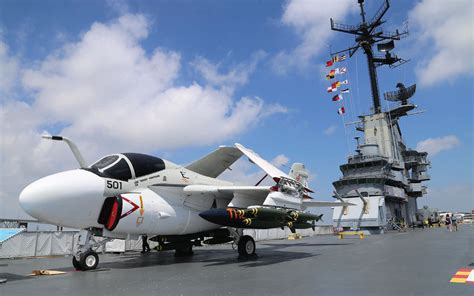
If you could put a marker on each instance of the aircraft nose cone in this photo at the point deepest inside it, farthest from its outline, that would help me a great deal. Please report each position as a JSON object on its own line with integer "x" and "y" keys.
{"x": 68, "y": 198}
{"x": 28, "y": 200}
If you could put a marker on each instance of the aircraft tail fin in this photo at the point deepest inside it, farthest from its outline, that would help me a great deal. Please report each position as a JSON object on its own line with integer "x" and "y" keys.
{"x": 216, "y": 162}
{"x": 299, "y": 173}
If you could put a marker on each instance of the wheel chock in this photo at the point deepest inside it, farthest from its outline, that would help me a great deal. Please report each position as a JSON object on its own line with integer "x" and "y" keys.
{"x": 46, "y": 272}
{"x": 358, "y": 233}
{"x": 294, "y": 236}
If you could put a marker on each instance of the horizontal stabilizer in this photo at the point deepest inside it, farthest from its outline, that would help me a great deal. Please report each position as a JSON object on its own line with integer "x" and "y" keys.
{"x": 216, "y": 162}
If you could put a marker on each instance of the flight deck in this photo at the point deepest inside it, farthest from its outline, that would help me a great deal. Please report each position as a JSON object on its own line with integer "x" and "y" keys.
{"x": 416, "y": 262}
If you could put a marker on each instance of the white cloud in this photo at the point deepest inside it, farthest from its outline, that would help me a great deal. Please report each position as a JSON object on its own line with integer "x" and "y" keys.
{"x": 109, "y": 94}
{"x": 238, "y": 76}
{"x": 120, "y": 6}
{"x": 9, "y": 71}
{"x": 24, "y": 157}
{"x": 280, "y": 160}
{"x": 310, "y": 20}
{"x": 445, "y": 29}
{"x": 435, "y": 145}
{"x": 330, "y": 130}
{"x": 109, "y": 76}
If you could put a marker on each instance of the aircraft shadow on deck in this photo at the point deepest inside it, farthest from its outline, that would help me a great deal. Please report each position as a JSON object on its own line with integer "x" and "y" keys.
{"x": 267, "y": 256}
{"x": 11, "y": 277}
{"x": 208, "y": 257}
{"x": 270, "y": 254}
{"x": 307, "y": 245}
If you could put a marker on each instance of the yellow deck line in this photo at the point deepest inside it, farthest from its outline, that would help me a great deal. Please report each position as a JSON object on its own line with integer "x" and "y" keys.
{"x": 458, "y": 280}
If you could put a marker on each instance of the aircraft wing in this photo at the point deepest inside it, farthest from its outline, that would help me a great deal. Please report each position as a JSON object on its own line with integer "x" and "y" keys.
{"x": 237, "y": 196}
{"x": 270, "y": 169}
{"x": 216, "y": 162}
{"x": 317, "y": 203}
{"x": 226, "y": 190}
{"x": 244, "y": 196}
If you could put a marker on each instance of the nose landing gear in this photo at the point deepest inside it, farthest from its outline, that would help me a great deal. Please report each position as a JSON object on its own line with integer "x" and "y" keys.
{"x": 87, "y": 261}
{"x": 85, "y": 258}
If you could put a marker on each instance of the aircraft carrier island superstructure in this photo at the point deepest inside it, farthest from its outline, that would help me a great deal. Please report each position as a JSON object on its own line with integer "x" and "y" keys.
{"x": 384, "y": 178}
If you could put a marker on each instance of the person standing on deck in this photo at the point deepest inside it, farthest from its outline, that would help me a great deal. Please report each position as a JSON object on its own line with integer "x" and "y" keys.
{"x": 448, "y": 222}
{"x": 145, "y": 246}
{"x": 454, "y": 222}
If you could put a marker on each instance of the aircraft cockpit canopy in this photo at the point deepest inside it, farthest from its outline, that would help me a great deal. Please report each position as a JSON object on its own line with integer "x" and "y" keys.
{"x": 127, "y": 166}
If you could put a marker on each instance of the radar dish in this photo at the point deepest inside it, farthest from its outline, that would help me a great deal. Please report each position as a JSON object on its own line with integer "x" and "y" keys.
{"x": 402, "y": 94}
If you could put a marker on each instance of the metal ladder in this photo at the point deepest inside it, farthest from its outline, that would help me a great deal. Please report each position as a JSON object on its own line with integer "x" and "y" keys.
{"x": 394, "y": 225}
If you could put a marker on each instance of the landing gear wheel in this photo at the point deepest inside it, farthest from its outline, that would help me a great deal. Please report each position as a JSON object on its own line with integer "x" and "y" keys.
{"x": 184, "y": 251}
{"x": 76, "y": 263}
{"x": 89, "y": 260}
{"x": 246, "y": 246}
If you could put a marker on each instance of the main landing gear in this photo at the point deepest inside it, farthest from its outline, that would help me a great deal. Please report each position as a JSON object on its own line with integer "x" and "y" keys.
{"x": 183, "y": 246}
{"x": 246, "y": 246}
{"x": 245, "y": 243}
{"x": 85, "y": 258}
{"x": 185, "y": 251}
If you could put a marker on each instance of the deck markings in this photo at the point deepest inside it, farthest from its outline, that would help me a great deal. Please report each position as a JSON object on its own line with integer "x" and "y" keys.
{"x": 463, "y": 276}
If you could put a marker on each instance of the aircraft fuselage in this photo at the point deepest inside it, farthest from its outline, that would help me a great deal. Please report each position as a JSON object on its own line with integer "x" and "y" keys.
{"x": 154, "y": 204}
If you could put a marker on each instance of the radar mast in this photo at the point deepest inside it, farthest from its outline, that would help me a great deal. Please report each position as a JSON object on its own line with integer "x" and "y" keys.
{"x": 367, "y": 34}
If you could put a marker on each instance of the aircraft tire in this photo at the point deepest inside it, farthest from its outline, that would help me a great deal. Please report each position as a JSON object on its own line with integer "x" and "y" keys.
{"x": 246, "y": 246}
{"x": 76, "y": 264}
{"x": 184, "y": 251}
{"x": 89, "y": 260}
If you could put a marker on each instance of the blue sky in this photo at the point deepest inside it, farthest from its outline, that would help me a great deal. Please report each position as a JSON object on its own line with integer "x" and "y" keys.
{"x": 258, "y": 64}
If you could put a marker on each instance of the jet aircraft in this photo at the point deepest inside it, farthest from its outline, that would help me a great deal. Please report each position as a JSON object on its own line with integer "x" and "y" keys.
{"x": 130, "y": 194}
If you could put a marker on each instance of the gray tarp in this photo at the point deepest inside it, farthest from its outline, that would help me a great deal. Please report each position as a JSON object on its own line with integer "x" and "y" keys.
{"x": 29, "y": 244}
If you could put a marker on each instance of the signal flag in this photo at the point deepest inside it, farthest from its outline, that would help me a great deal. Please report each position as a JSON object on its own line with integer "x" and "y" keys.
{"x": 331, "y": 75}
{"x": 341, "y": 70}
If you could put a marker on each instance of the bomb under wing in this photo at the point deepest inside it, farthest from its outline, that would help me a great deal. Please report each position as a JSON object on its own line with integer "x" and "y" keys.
{"x": 260, "y": 218}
